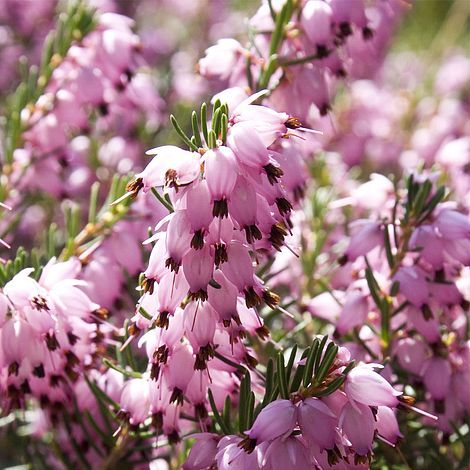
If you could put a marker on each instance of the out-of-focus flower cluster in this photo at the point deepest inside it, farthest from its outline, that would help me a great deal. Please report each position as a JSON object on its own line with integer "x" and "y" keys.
{"x": 98, "y": 81}
{"x": 326, "y": 42}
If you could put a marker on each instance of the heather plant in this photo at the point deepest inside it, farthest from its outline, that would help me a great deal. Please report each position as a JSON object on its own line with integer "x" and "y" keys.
{"x": 278, "y": 277}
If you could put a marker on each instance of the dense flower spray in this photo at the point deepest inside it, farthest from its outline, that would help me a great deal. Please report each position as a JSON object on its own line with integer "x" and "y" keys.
{"x": 50, "y": 331}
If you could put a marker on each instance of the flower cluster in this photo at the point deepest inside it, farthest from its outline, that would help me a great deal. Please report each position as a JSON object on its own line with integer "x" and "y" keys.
{"x": 22, "y": 35}
{"x": 98, "y": 79}
{"x": 327, "y": 40}
{"x": 229, "y": 208}
{"x": 50, "y": 331}
{"x": 229, "y": 201}
{"x": 368, "y": 132}
{"x": 312, "y": 428}
{"x": 400, "y": 290}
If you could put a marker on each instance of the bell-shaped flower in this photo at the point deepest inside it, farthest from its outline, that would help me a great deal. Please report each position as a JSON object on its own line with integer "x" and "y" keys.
{"x": 291, "y": 452}
{"x": 220, "y": 59}
{"x": 198, "y": 266}
{"x": 223, "y": 300}
{"x": 170, "y": 167}
{"x": 316, "y": 21}
{"x": 275, "y": 420}
{"x": 199, "y": 212}
{"x": 437, "y": 377}
{"x": 179, "y": 372}
{"x": 268, "y": 124}
{"x": 413, "y": 284}
{"x": 243, "y": 205}
{"x": 22, "y": 290}
{"x": 156, "y": 265}
{"x": 317, "y": 423}
{"x": 411, "y": 354}
{"x": 353, "y": 313}
{"x": 55, "y": 272}
{"x": 200, "y": 323}
{"x": 178, "y": 239}
{"x": 366, "y": 235}
{"x": 427, "y": 327}
{"x": 247, "y": 146}
{"x": 364, "y": 385}
{"x": 203, "y": 451}
{"x": 231, "y": 456}
{"x": 387, "y": 424}
{"x": 430, "y": 245}
{"x": 172, "y": 289}
{"x": 135, "y": 400}
{"x": 220, "y": 172}
{"x": 239, "y": 267}
{"x": 358, "y": 423}
{"x": 453, "y": 225}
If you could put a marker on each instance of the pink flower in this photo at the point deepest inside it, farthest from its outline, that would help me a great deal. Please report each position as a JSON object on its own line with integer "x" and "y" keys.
{"x": 247, "y": 146}
{"x": 269, "y": 124}
{"x": 291, "y": 452}
{"x": 366, "y": 235}
{"x": 199, "y": 212}
{"x": 203, "y": 452}
{"x": 427, "y": 327}
{"x": 135, "y": 400}
{"x": 358, "y": 423}
{"x": 437, "y": 377}
{"x": 364, "y": 385}
{"x": 179, "y": 372}
{"x": 452, "y": 225}
{"x": 431, "y": 246}
{"x": 411, "y": 354}
{"x": 413, "y": 284}
{"x": 317, "y": 423}
{"x": 220, "y": 171}
{"x": 231, "y": 456}
{"x": 199, "y": 323}
{"x": 387, "y": 425}
{"x": 223, "y": 300}
{"x": 171, "y": 167}
{"x": 221, "y": 59}
{"x": 178, "y": 239}
{"x": 353, "y": 313}
{"x": 198, "y": 267}
{"x": 316, "y": 22}
{"x": 275, "y": 420}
